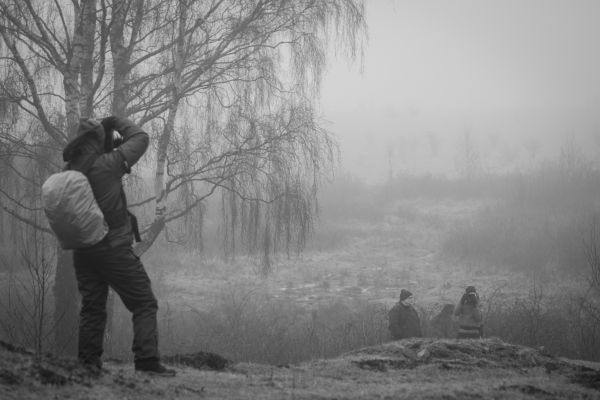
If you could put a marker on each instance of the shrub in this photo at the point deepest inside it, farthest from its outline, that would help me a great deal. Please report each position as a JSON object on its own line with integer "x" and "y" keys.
{"x": 252, "y": 327}
{"x": 566, "y": 324}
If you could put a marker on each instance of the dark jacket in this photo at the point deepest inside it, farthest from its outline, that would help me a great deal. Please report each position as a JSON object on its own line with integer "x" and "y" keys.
{"x": 443, "y": 325}
{"x": 470, "y": 320}
{"x": 404, "y": 322}
{"x": 105, "y": 175}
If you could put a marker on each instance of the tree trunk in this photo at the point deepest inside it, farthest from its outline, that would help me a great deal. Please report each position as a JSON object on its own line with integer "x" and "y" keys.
{"x": 66, "y": 305}
{"x": 65, "y": 287}
{"x": 66, "y": 294}
{"x": 88, "y": 29}
{"x": 121, "y": 51}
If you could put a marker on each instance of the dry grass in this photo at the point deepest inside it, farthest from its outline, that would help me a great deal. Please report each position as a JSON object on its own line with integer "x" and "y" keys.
{"x": 318, "y": 304}
{"x": 416, "y": 369}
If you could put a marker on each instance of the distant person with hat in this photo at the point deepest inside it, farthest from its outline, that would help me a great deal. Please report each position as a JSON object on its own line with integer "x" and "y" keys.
{"x": 404, "y": 320}
{"x": 470, "y": 319}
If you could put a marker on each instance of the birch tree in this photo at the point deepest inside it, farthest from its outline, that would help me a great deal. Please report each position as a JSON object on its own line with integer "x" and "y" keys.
{"x": 225, "y": 88}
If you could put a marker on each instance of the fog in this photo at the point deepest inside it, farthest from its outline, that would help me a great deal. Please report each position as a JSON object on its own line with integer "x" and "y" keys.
{"x": 468, "y": 132}
{"x": 516, "y": 79}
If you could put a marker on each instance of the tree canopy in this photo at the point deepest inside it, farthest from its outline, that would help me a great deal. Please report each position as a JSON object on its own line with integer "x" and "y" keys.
{"x": 225, "y": 88}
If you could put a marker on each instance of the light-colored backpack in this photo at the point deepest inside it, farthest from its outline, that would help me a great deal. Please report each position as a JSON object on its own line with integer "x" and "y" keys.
{"x": 72, "y": 210}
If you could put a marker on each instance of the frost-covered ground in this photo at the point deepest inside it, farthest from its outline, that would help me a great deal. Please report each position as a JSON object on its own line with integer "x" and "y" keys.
{"x": 370, "y": 262}
{"x": 415, "y": 369}
{"x": 373, "y": 262}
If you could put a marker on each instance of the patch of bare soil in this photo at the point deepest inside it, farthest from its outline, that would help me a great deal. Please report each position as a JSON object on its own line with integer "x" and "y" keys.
{"x": 199, "y": 360}
{"x": 416, "y": 369}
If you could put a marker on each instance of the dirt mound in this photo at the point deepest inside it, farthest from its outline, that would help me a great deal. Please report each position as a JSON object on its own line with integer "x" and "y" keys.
{"x": 450, "y": 354}
{"x": 199, "y": 360}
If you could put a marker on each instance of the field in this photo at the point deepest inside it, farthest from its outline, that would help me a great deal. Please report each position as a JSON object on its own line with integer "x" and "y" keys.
{"x": 316, "y": 325}
{"x": 374, "y": 262}
{"x": 331, "y": 298}
{"x": 520, "y": 240}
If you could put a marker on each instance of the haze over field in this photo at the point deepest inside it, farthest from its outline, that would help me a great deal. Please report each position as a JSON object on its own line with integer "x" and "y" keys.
{"x": 520, "y": 78}
{"x": 469, "y": 137}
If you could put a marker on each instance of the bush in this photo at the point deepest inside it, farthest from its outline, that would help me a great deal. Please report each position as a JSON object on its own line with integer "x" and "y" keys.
{"x": 251, "y": 327}
{"x": 566, "y": 325}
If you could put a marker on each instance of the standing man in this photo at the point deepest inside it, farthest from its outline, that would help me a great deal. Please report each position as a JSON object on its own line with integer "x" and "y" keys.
{"x": 404, "y": 320}
{"x": 105, "y": 156}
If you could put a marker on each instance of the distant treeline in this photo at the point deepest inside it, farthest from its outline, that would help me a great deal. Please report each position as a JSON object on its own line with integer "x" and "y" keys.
{"x": 551, "y": 185}
{"x": 524, "y": 220}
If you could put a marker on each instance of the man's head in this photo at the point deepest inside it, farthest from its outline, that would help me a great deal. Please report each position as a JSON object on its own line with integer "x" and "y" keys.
{"x": 406, "y": 297}
{"x": 471, "y": 298}
{"x": 90, "y": 139}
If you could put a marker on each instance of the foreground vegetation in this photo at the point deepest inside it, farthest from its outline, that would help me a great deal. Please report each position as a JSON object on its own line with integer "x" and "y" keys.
{"x": 416, "y": 369}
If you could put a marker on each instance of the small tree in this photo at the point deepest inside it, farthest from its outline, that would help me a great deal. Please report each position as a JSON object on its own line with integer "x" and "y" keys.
{"x": 26, "y": 319}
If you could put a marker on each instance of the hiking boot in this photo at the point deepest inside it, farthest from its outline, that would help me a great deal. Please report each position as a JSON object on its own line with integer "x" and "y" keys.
{"x": 154, "y": 367}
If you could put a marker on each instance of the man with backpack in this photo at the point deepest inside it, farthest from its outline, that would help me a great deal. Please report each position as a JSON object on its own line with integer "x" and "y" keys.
{"x": 104, "y": 157}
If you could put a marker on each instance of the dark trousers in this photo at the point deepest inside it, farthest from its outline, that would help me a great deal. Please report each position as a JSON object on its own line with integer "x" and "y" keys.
{"x": 123, "y": 271}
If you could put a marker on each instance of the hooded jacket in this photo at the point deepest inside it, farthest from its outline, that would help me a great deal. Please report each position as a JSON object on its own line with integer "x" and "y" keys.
{"x": 443, "y": 325}
{"x": 92, "y": 152}
{"x": 468, "y": 313}
{"x": 404, "y": 322}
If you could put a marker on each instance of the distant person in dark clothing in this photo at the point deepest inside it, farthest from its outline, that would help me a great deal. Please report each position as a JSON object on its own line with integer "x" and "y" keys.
{"x": 106, "y": 156}
{"x": 404, "y": 320}
{"x": 443, "y": 324}
{"x": 470, "y": 320}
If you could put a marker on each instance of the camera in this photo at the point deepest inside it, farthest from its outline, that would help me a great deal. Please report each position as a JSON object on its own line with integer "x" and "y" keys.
{"x": 117, "y": 139}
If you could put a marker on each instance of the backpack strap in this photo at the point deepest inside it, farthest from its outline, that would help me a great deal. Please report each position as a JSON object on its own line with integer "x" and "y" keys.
{"x": 122, "y": 219}
{"x": 132, "y": 218}
{"x": 134, "y": 226}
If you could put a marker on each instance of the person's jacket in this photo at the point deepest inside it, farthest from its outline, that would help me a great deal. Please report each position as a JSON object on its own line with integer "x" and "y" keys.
{"x": 469, "y": 316}
{"x": 443, "y": 324}
{"x": 105, "y": 176}
{"x": 404, "y": 322}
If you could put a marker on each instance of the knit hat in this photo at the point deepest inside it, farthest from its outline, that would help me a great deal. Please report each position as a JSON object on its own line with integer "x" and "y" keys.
{"x": 405, "y": 294}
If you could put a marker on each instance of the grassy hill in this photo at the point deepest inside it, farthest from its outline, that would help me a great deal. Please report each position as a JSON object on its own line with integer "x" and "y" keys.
{"x": 415, "y": 369}
{"x": 294, "y": 333}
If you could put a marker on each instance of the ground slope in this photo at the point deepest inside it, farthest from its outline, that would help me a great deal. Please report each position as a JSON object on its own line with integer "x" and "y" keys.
{"x": 415, "y": 369}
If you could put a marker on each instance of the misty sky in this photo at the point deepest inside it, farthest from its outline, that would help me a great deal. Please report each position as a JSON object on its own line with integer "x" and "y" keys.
{"x": 519, "y": 78}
